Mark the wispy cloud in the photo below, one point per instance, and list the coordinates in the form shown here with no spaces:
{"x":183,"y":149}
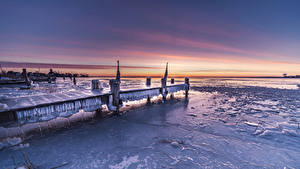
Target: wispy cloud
{"x":67,"y":66}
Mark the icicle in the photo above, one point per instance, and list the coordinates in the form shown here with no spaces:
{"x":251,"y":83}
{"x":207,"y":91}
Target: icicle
{"x":91,"y":104}
{"x":139,"y":94}
{"x":175,"y":88}
{"x":65,"y":109}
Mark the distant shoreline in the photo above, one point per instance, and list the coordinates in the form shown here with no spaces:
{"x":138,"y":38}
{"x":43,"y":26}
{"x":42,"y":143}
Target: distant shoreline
{"x":19,"y":65}
{"x":261,"y":77}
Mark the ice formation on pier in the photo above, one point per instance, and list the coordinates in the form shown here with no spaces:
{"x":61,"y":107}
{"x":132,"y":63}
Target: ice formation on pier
{"x":139,"y":94}
{"x":63,"y":109}
{"x":91,"y":104}
{"x":144,"y":93}
{"x":175,"y":88}
{"x":48,"y":111}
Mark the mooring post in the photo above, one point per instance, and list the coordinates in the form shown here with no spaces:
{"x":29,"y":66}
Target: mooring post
{"x":148,"y":100}
{"x":187,"y":86}
{"x":148,"y":81}
{"x":24,"y":73}
{"x":172,"y":81}
{"x":95,"y":84}
{"x":74,"y":79}
{"x":115,"y":91}
{"x":164,"y":91}
{"x":114,"y":100}
{"x":148,"y":84}
{"x":50,"y":76}
{"x":163,"y":88}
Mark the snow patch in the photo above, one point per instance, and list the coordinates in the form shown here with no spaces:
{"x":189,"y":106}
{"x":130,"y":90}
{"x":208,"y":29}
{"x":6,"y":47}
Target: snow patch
{"x":8,"y":142}
{"x":126,"y":162}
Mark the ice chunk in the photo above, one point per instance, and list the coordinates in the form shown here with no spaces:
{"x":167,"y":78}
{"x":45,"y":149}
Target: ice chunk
{"x":175,"y":144}
{"x":10,"y":142}
{"x":251,"y":124}
{"x":127,"y":161}
{"x":3,"y":106}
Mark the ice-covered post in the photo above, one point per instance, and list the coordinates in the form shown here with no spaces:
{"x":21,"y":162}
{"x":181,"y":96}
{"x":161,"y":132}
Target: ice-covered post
{"x":114,"y":101}
{"x":74,"y":79}
{"x":115,"y":91}
{"x":187,"y":85}
{"x":148,"y":81}
{"x":24,"y":73}
{"x":164,"y":91}
{"x":172,"y":81}
{"x":51,"y":72}
{"x":50,"y":76}
{"x":95,"y":84}
{"x":163,"y":88}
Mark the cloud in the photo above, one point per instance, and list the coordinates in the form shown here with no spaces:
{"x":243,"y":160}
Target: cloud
{"x":67,"y":66}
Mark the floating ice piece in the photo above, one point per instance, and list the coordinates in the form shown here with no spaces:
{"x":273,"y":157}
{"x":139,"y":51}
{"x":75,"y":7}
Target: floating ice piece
{"x":175,"y":144}
{"x":251,"y":124}
{"x":193,"y":115}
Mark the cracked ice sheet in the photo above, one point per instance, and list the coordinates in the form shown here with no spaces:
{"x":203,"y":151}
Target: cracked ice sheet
{"x":221,"y":126}
{"x":142,"y":138}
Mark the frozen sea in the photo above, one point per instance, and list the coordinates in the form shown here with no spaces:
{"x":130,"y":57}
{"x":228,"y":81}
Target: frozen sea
{"x":224,"y":123}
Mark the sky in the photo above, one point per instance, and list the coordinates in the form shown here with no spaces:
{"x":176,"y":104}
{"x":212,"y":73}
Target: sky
{"x":197,"y":38}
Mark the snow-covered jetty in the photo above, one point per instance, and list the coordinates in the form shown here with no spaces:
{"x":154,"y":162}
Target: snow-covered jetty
{"x":63,"y":106}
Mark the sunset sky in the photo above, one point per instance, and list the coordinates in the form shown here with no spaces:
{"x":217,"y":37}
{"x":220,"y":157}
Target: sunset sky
{"x":197,"y":38}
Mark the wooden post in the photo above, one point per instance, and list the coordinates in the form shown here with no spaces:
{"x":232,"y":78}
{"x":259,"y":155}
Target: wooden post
{"x":164,"y":91}
{"x":114,"y":100}
{"x":163,"y":88}
{"x":118,"y":76}
{"x":74,"y":79}
{"x":95,"y":84}
{"x":24,"y":73}
{"x":148,"y":81}
{"x":187,"y":86}
{"x":148,"y":84}
{"x":51,"y":76}
{"x":115,"y":91}
{"x":148,"y":100}
{"x":172,"y":81}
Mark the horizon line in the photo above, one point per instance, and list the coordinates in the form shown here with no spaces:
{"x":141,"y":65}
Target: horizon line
{"x":10,"y":64}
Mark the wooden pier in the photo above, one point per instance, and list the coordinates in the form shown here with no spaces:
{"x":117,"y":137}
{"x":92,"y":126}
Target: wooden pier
{"x":45,"y":109}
